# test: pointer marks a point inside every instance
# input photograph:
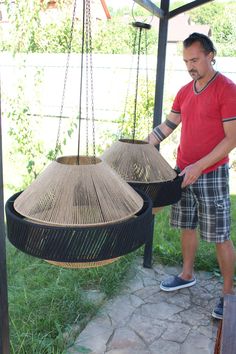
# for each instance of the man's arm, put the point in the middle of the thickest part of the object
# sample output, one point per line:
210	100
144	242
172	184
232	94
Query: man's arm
192	172
164	129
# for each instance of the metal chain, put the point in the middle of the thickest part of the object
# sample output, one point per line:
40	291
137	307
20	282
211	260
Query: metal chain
91	79
137	82
128	89
87	43
58	144
147	85
81	82
87	38
138	52
87	77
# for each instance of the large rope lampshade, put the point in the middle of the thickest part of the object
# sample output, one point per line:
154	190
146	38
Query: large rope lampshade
142	166
79	212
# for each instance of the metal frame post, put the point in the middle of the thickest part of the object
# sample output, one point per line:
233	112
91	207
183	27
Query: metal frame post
147	257
161	61
4	317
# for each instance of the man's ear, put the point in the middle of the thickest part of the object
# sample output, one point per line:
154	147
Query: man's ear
211	56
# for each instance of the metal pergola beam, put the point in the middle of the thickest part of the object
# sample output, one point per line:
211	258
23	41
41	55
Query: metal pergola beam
187	7
152	8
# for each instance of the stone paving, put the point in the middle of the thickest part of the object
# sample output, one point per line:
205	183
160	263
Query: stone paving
145	320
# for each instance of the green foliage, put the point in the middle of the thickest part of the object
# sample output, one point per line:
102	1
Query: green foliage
32	29
141	127
221	18
55	37
24	17
127	126
106	40
177	4
26	147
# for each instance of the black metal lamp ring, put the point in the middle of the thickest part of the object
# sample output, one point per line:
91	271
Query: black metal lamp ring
144	22
142	25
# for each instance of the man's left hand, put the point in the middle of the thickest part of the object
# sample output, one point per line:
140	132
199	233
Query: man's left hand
191	173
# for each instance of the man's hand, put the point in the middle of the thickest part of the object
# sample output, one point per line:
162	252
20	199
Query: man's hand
151	139
191	173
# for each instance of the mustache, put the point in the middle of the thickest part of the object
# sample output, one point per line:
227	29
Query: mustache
192	71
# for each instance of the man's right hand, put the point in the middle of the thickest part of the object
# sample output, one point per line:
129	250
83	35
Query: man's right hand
151	139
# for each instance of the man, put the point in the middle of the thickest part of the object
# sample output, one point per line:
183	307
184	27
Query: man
206	109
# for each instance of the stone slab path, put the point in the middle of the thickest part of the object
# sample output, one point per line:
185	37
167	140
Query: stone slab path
145	320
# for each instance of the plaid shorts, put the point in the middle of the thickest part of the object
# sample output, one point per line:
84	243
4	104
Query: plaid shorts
206	204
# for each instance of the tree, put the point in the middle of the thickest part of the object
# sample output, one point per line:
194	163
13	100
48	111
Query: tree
32	30
221	17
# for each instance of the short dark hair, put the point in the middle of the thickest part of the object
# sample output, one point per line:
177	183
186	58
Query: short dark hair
205	41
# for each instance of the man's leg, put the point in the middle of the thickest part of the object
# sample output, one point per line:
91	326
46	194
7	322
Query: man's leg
226	259
184	216
189	242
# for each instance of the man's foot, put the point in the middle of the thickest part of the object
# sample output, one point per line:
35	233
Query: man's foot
175	283
218	310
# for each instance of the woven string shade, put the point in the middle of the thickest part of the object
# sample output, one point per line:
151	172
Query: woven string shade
81	265
142	166
69	194
138	161
79	216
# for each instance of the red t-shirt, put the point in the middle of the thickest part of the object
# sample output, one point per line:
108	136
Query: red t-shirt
202	117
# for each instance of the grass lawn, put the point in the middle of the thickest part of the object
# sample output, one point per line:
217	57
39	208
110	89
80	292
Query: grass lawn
46	301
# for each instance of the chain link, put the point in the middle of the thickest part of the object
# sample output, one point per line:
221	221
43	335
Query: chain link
87	75
128	89
58	144
137	43
92	87
147	85
89	34
137	82
89	89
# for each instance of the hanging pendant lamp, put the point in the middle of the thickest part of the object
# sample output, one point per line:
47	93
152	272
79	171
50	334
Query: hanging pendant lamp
142	166
140	163
79	212
84	244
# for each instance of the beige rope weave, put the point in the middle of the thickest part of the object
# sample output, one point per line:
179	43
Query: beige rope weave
87	194
138	161
80	265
